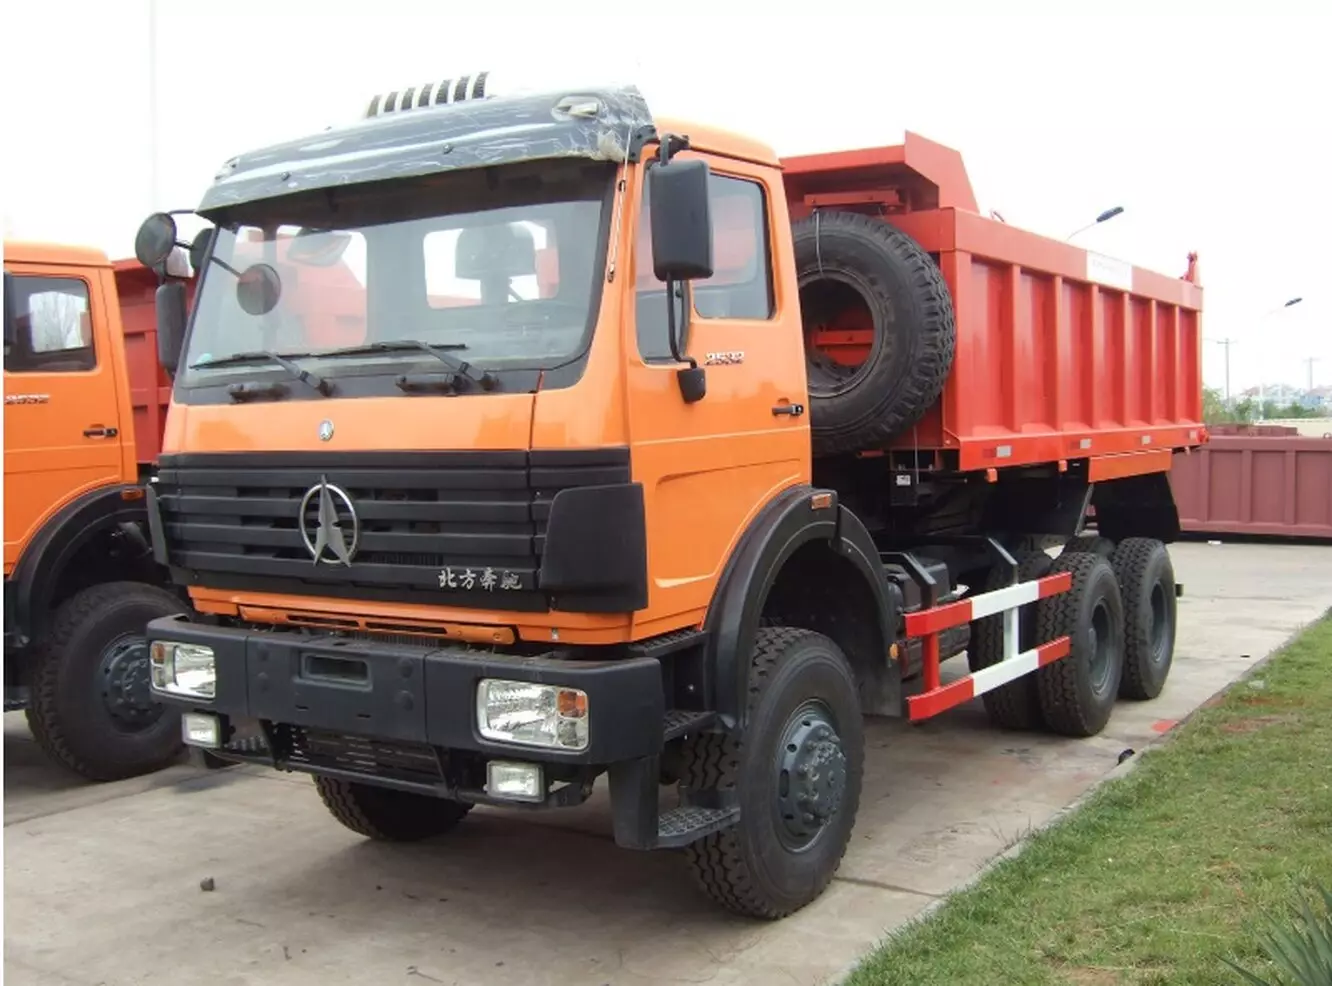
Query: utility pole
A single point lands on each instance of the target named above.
(1227, 342)
(154, 191)
(1310, 361)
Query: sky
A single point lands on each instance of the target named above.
(1212, 131)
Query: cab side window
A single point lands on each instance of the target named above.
(51, 325)
(741, 283)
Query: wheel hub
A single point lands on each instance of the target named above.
(811, 779)
(126, 691)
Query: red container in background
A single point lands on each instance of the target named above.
(1256, 484)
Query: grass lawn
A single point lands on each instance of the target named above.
(1166, 871)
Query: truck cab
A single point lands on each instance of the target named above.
(77, 561)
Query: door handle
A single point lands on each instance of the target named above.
(97, 431)
(794, 410)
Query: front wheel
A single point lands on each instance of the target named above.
(387, 814)
(92, 708)
(796, 771)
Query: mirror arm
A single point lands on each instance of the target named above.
(674, 332)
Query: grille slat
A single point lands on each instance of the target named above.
(479, 516)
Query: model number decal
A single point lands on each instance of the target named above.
(27, 398)
(731, 358)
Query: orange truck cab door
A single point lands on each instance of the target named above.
(708, 466)
(63, 433)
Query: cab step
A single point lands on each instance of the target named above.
(689, 823)
(682, 722)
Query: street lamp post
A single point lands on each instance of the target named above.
(1103, 217)
(1262, 384)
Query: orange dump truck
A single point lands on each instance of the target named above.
(642, 456)
(85, 404)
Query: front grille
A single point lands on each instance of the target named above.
(456, 528)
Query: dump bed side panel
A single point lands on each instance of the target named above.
(1061, 353)
(150, 387)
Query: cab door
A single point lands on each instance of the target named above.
(708, 467)
(62, 427)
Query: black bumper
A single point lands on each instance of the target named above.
(414, 695)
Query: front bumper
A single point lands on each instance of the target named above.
(408, 695)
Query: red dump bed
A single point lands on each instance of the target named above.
(150, 387)
(1061, 353)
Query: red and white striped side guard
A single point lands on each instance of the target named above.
(928, 623)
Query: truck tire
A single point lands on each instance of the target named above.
(1147, 581)
(92, 709)
(1090, 543)
(1078, 692)
(1015, 705)
(387, 814)
(863, 276)
(797, 772)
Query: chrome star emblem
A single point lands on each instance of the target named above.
(333, 533)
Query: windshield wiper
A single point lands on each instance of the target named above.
(439, 350)
(286, 361)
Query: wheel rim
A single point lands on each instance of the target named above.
(1160, 634)
(836, 307)
(1101, 645)
(811, 770)
(123, 680)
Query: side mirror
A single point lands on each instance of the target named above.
(258, 289)
(199, 249)
(170, 324)
(681, 221)
(155, 240)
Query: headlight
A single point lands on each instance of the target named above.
(532, 715)
(183, 669)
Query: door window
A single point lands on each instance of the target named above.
(52, 325)
(741, 283)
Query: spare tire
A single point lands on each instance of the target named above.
(879, 329)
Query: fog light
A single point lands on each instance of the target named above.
(515, 781)
(183, 669)
(528, 714)
(198, 729)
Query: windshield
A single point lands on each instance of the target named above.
(501, 266)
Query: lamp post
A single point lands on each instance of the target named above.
(1105, 216)
(1262, 385)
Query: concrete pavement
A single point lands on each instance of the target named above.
(102, 883)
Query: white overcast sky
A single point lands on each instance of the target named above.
(1212, 131)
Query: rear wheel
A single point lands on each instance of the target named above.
(1016, 704)
(1091, 544)
(1077, 693)
(1147, 580)
(796, 771)
(92, 708)
(387, 814)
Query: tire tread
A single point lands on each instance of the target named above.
(347, 802)
(1131, 560)
(1057, 616)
